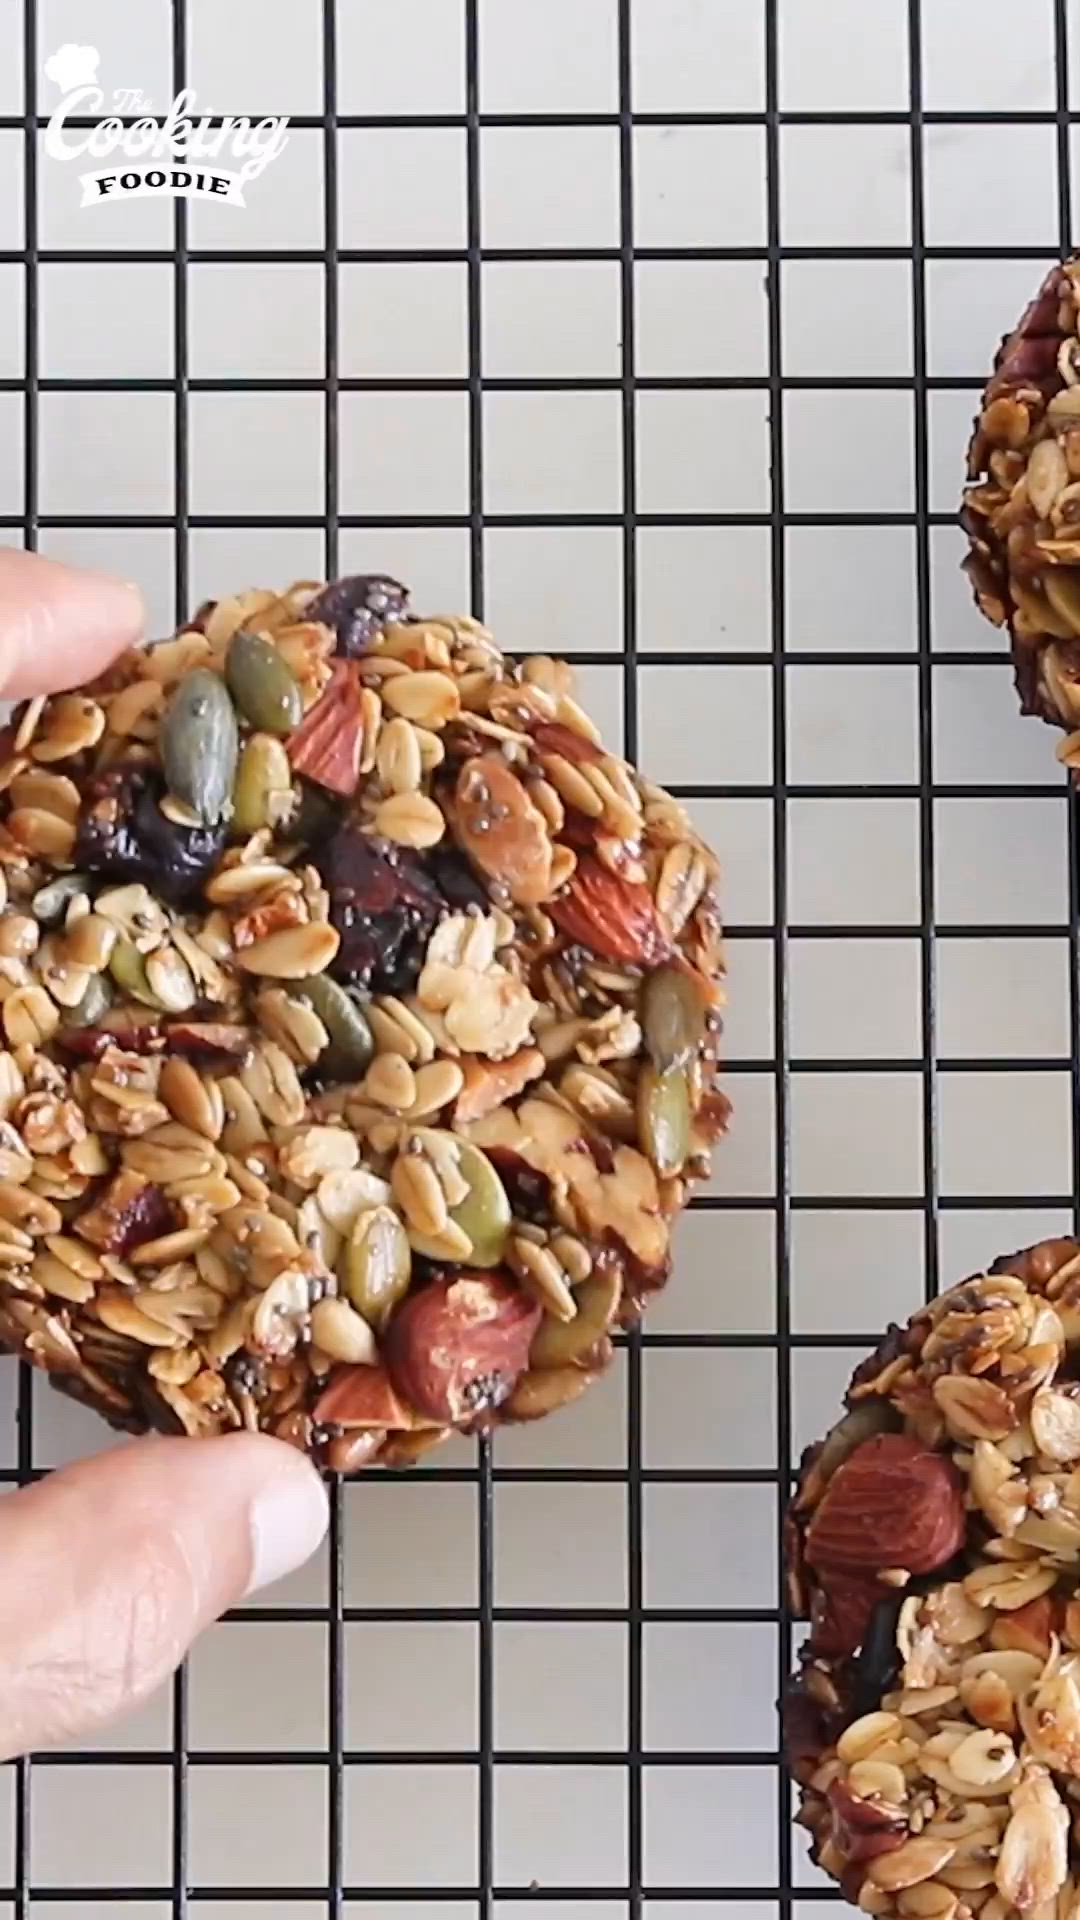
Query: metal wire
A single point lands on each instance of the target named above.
(181, 1897)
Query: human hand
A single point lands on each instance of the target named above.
(113, 1566)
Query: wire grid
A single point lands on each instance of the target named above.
(635, 1893)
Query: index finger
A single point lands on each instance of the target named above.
(60, 626)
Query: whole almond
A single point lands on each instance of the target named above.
(893, 1503)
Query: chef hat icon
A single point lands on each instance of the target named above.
(71, 66)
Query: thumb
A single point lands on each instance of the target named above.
(60, 626)
(113, 1566)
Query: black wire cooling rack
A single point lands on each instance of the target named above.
(332, 1895)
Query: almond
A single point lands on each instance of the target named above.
(360, 1396)
(328, 744)
(840, 1612)
(893, 1503)
(501, 830)
(554, 737)
(1028, 1629)
(613, 917)
(455, 1349)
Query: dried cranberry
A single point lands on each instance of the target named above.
(123, 835)
(147, 1216)
(456, 880)
(383, 905)
(862, 1829)
(208, 1042)
(528, 1192)
(89, 1043)
(804, 1724)
(357, 608)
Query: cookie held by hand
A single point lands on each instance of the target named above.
(360, 1020)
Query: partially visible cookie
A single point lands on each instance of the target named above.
(934, 1544)
(360, 1014)
(1021, 508)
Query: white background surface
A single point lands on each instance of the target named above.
(821, 691)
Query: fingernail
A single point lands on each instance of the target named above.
(288, 1521)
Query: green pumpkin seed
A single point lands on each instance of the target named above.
(262, 685)
(672, 1017)
(375, 1264)
(570, 1343)
(128, 969)
(1063, 592)
(49, 903)
(95, 1002)
(484, 1213)
(199, 744)
(663, 1117)
(263, 780)
(351, 1041)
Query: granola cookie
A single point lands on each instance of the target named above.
(1021, 508)
(360, 1017)
(934, 1544)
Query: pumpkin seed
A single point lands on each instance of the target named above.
(49, 903)
(375, 1264)
(262, 685)
(169, 979)
(351, 1042)
(95, 1001)
(545, 1390)
(263, 787)
(199, 744)
(672, 1017)
(1062, 589)
(485, 1214)
(663, 1111)
(128, 969)
(567, 1343)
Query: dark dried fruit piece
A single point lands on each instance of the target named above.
(861, 1829)
(383, 905)
(612, 917)
(357, 608)
(208, 1041)
(130, 1212)
(456, 1347)
(122, 834)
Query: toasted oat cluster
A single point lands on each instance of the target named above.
(934, 1543)
(1021, 508)
(360, 1018)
